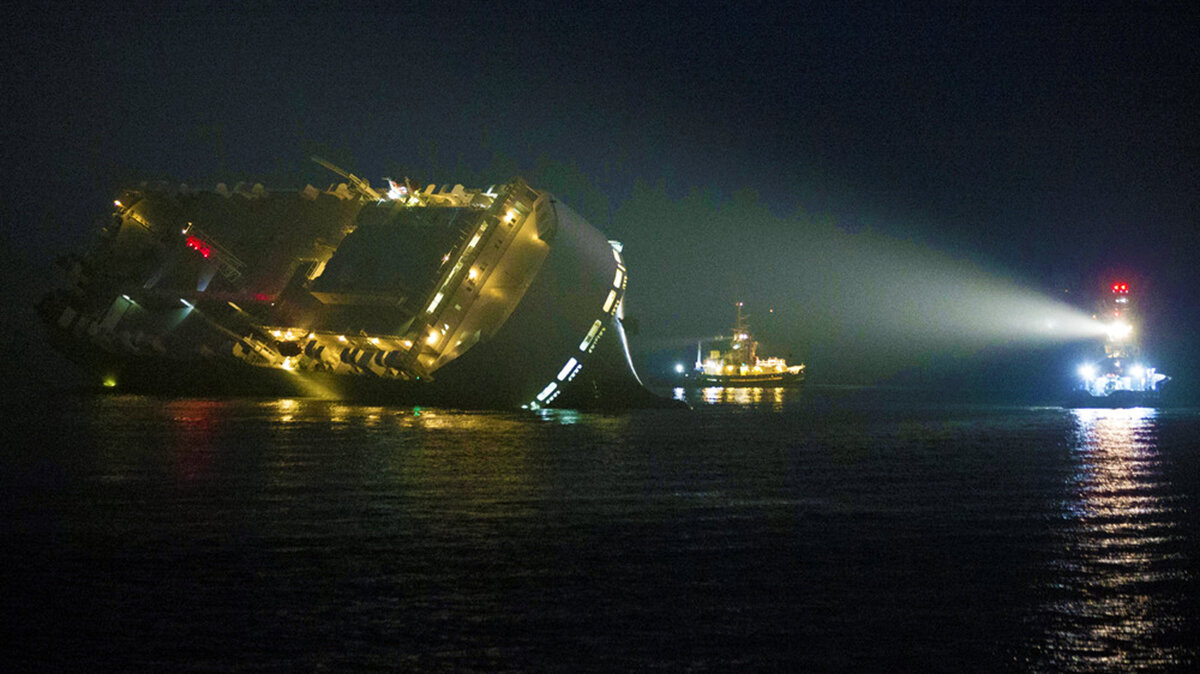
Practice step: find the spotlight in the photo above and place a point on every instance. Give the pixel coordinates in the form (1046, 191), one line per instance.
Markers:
(1119, 330)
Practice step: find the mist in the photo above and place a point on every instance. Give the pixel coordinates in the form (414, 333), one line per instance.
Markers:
(857, 303)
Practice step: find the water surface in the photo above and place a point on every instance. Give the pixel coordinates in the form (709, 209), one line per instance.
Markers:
(761, 530)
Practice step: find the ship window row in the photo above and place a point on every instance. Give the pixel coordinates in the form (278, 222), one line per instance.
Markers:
(472, 273)
(547, 391)
(593, 346)
(592, 336)
(566, 369)
(572, 367)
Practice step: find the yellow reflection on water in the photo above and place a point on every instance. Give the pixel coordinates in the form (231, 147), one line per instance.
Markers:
(287, 408)
(462, 461)
(1113, 610)
(742, 395)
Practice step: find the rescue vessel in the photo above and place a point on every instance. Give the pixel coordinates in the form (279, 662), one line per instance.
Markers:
(734, 361)
(1122, 377)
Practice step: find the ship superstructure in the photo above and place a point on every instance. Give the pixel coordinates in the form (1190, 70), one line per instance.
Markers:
(734, 361)
(470, 297)
(1122, 374)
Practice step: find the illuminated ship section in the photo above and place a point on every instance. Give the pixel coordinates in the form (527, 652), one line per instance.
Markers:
(608, 316)
(1122, 373)
(498, 297)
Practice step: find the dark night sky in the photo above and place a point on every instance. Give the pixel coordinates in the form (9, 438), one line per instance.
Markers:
(739, 150)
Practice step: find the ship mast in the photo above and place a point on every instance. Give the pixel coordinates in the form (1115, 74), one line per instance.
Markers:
(743, 345)
(1121, 340)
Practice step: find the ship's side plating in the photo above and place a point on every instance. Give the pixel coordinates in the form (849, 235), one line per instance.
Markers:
(565, 342)
(461, 297)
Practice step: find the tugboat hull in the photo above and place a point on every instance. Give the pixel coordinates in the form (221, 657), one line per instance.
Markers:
(787, 380)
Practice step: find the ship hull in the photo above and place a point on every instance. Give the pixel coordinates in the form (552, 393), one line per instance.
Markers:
(162, 376)
(223, 295)
(1115, 400)
(785, 380)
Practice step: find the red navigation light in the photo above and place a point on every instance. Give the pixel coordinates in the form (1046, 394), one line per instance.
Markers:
(1120, 288)
(198, 245)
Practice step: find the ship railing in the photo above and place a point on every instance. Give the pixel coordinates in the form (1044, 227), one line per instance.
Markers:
(228, 264)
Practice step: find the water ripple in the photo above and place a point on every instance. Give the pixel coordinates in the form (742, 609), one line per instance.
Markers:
(1122, 541)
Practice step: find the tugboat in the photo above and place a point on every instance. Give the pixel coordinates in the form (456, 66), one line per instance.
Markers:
(734, 361)
(1121, 378)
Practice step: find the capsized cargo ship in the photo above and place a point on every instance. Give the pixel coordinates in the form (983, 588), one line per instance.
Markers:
(1122, 378)
(500, 297)
(735, 362)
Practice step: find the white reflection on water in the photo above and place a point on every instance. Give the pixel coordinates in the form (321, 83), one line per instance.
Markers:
(565, 417)
(1115, 599)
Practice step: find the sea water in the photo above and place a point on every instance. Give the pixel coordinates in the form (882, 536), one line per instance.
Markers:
(759, 530)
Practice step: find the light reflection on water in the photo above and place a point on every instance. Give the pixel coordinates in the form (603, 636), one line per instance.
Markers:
(1113, 608)
(771, 397)
(564, 417)
(951, 535)
(286, 407)
(194, 422)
